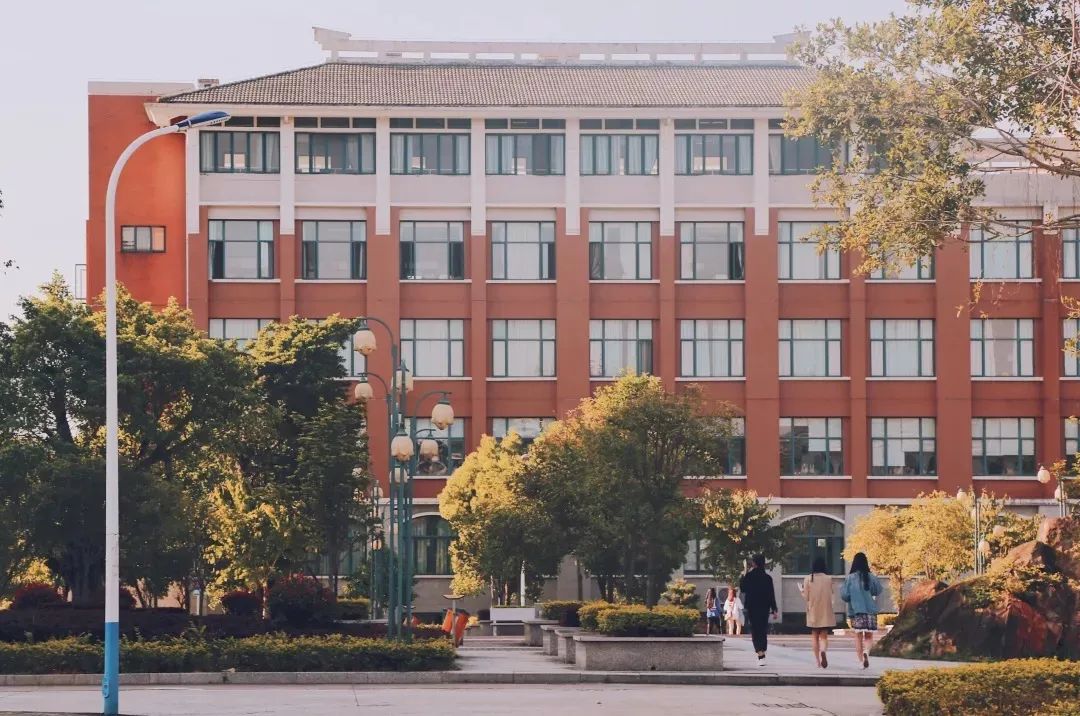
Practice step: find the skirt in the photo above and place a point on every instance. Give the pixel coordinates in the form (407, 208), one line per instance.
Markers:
(863, 622)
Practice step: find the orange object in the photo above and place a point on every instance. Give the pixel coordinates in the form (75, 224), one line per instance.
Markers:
(459, 627)
(448, 622)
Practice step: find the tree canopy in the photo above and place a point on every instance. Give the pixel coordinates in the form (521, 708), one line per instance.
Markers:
(738, 525)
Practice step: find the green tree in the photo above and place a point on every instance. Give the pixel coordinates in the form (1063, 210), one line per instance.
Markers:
(878, 534)
(936, 537)
(924, 103)
(737, 524)
(498, 529)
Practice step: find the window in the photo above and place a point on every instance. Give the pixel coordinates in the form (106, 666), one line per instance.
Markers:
(901, 348)
(1002, 347)
(714, 154)
(334, 250)
(431, 536)
(431, 153)
(523, 348)
(241, 249)
(1070, 245)
(432, 250)
(246, 152)
(921, 270)
(1071, 332)
(528, 429)
(522, 250)
(815, 536)
(241, 330)
(142, 239)
(328, 153)
(433, 347)
(730, 450)
(711, 251)
(1072, 443)
(620, 250)
(800, 258)
(900, 447)
(525, 153)
(451, 443)
(711, 349)
(1003, 446)
(811, 446)
(695, 557)
(619, 346)
(354, 363)
(798, 155)
(626, 154)
(809, 348)
(1006, 254)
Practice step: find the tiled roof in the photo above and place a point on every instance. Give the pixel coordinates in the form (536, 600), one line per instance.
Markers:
(512, 85)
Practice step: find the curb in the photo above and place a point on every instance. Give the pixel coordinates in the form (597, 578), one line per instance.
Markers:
(440, 677)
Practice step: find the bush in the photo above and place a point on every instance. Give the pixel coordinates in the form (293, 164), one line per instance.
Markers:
(565, 612)
(638, 620)
(588, 612)
(298, 600)
(33, 595)
(1005, 688)
(242, 603)
(681, 593)
(353, 609)
(886, 619)
(268, 652)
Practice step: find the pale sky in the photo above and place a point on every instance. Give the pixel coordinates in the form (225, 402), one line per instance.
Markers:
(49, 50)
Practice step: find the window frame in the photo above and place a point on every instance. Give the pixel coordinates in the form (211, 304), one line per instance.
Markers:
(460, 162)
(451, 438)
(735, 346)
(689, 241)
(309, 249)
(455, 260)
(589, 164)
(830, 341)
(812, 538)
(884, 342)
(924, 271)
(777, 152)
(643, 347)
(829, 264)
(503, 344)
(497, 164)
(686, 163)
(437, 546)
(209, 165)
(1070, 253)
(1019, 341)
(152, 228)
(979, 442)
(598, 249)
(1025, 265)
(455, 346)
(789, 441)
(545, 248)
(222, 324)
(925, 457)
(264, 252)
(363, 139)
(1071, 367)
(502, 430)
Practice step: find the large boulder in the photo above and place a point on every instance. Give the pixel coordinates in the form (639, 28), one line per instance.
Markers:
(1025, 606)
(1063, 534)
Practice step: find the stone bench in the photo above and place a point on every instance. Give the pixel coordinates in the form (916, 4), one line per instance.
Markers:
(550, 638)
(533, 635)
(594, 652)
(508, 618)
(565, 643)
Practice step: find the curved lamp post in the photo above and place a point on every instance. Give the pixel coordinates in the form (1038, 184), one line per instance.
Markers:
(110, 683)
(1061, 492)
(982, 545)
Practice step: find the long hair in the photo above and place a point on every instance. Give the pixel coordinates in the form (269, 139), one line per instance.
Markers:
(860, 564)
(818, 567)
(711, 594)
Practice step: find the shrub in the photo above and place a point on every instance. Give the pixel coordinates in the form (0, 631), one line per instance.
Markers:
(268, 652)
(35, 594)
(681, 593)
(638, 620)
(483, 615)
(565, 612)
(885, 619)
(353, 609)
(588, 612)
(242, 603)
(299, 600)
(126, 598)
(1006, 688)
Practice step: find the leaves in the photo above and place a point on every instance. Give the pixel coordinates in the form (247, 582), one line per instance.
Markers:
(737, 525)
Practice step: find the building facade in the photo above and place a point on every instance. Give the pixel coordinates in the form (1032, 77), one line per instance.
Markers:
(535, 219)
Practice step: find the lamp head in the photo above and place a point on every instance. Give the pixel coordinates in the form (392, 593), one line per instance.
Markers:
(442, 415)
(364, 341)
(363, 390)
(1044, 475)
(203, 119)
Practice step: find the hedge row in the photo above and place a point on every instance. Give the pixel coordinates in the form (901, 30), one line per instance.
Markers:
(1015, 687)
(269, 652)
(638, 620)
(565, 612)
(44, 624)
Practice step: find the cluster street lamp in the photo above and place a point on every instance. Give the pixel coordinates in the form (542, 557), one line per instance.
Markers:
(403, 463)
(1061, 492)
(110, 681)
(982, 545)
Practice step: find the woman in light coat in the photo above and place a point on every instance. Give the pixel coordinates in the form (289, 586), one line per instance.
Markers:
(733, 611)
(817, 590)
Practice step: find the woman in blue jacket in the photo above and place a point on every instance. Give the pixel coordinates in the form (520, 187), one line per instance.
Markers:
(859, 590)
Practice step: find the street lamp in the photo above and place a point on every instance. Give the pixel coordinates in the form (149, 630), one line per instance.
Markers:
(982, 545)
(110, 682)
(1061, 492)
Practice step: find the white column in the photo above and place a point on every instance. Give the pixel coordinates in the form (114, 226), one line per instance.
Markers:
(477, 179)
(382, 176)
(288, 177)
(572, 166)
(667, 177)
(761, 176)
(192, 177)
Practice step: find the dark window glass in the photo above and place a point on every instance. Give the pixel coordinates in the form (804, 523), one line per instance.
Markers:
(815, 536)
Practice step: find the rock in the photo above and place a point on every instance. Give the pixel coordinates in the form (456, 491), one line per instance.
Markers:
(1063, 534)
(921, 592)
(1029, 554)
